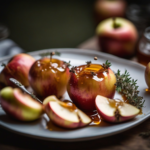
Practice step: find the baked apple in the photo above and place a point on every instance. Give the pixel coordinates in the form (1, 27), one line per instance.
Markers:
(49, 76)
(88, 81)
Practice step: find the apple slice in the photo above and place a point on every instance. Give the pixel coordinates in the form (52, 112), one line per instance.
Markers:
(115, 111)
(65, 114)
(19, 105)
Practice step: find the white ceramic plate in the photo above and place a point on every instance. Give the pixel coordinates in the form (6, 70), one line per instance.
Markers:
(37, 129)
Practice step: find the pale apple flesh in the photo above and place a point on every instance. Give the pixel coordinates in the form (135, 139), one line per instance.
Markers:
(18, 68)
(84, 87)
(63, 115)
(147, 75)
(19, 105)
(111, 113)
(49, 77)
(120, 41)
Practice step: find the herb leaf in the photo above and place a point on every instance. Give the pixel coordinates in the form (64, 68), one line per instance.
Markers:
(107, 64)
(3, 65)
(128, 88)
(68, 64)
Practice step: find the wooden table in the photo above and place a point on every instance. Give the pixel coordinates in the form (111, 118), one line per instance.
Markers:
(128, 140)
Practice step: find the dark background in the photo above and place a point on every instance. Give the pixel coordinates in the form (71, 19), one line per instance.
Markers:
(41, 24)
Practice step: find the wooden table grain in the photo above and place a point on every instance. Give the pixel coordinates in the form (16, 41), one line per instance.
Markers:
(128, 140)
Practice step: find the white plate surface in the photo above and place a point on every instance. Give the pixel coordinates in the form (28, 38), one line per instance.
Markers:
(37, 129)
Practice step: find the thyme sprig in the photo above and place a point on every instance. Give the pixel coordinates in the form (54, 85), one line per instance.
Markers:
(68, 64)
(128, 88)
(3, 65)
(106, 65)
(73, 69)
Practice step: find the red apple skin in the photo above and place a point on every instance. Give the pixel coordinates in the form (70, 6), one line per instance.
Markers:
(58, 120)
(18, 68)
(123, 119)
(83, 89)
(12, 111)
(48, 80)
(104, 9)
(147, 75)
(121, 41)
(19, 106)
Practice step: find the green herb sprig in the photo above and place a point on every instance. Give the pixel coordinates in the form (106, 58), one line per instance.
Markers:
(68, 64)
(106, 65)
(3, 65)
(128, 88)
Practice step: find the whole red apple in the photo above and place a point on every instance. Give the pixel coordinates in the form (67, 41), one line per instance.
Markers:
(117, 36)
(88, 81)
(18, 68)
(104, 9)
(49, 77)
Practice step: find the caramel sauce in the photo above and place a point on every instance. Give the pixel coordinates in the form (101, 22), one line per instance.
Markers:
(53, 127)
(68, 104)
(85, 71)
(147, 90)
(54, 65)
(96, 120)
(141, 112)
(125, 99)
(44, 65)
(115, 102)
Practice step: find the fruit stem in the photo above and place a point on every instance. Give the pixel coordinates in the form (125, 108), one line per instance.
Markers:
(115, 25)
(51, 54)
(88, 63)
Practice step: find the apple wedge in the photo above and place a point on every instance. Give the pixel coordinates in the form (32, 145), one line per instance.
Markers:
(115, 111)
(19, 105)
(65, 114)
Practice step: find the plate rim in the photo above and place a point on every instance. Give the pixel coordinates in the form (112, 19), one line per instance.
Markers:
(76, 50)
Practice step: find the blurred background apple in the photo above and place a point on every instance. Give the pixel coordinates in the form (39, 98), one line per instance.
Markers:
(117, 36)
(104, 9)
